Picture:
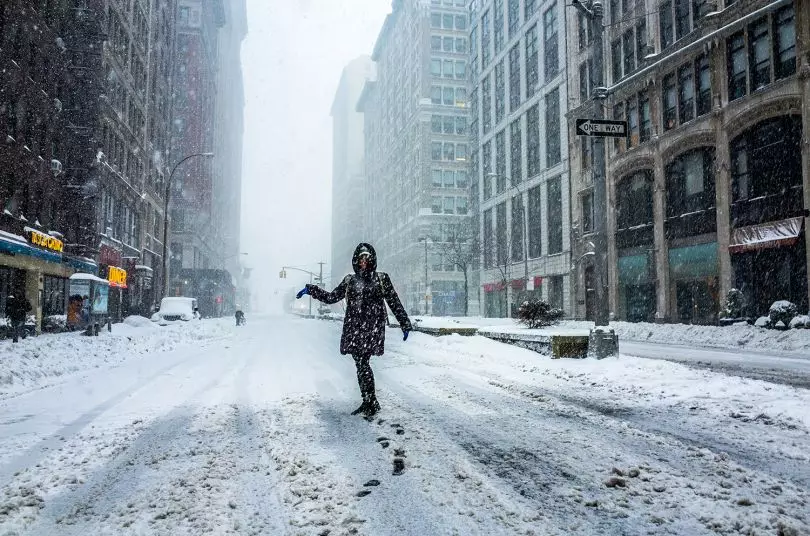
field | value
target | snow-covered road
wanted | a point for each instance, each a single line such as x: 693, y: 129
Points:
x: 250, y: 433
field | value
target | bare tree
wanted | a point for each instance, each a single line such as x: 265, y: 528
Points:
x: 461, y: 249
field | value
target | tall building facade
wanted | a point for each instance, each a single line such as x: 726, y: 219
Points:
x: 207, y: 118
x: 711, y: 189
x: 417, y: 150
x: 520, y: 157
x: 89, y: 194
x: 348, y: 166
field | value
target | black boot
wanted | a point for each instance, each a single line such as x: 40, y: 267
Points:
x: 361, y: 409
x: 372, y: 406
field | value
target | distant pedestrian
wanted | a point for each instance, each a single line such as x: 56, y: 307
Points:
x: 17, y: 308
x: 240, y: 317
x: 366, y: 292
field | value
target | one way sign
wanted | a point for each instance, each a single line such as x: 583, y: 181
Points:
x: 602, y: 127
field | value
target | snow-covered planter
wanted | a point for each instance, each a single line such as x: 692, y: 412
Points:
x: 782, y: 311
x: 732, y: 312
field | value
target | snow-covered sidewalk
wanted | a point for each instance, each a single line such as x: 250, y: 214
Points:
x: 252, y: 435
x: 36, y: 362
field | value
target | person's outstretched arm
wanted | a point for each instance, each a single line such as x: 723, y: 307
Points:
x: 328, y: 297
x: 393, y: 302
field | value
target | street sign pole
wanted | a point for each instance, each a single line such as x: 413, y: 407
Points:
x: 603, y: 342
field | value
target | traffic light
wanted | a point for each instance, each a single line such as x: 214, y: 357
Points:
x: 282, y: 274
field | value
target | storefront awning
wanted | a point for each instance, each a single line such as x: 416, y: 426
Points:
x: 766, y: 235
x: 15, y: 245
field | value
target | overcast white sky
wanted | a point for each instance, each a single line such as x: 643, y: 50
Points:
x: 292, y: 60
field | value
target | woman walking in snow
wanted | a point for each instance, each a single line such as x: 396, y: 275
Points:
x: 366, y: 292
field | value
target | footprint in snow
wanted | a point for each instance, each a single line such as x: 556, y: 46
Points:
x: 399, y: 466
x: 363, y: 493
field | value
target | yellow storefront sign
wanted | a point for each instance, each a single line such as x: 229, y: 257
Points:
x: 117, y: 277
x: 46, y: 241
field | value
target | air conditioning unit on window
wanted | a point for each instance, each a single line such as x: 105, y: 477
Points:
x: 56, y: 167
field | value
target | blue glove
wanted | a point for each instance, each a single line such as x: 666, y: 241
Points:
x: 304, y: 290
x: 405, y: 333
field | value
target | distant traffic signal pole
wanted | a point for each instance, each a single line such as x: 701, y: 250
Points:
x: 318, y: 277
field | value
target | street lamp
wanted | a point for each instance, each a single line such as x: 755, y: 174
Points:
x: 425, y: 239
x: 516, y: 187
x: 166, y: 197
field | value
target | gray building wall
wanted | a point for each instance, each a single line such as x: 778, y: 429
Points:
x: 348, y: 167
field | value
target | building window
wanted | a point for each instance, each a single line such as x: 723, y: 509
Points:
x: 498, y: 20
x: 532, y: 68
x: 616, y: 59
x: 587, y: 213
x: 436, y: 178
x: 683, y: 20
x: 531, y: 8
x: 666, y: 25
x: 555, y: 291
x: 435, y: 43
x: 634, y: 200
x: 461, y: 22
x: 500, y: 92
x: 553, y: 145
x: 500, y: 162
x: 517, y: 228
x: 555, y: 221
x: 618, y: 115
x: 700, y: 8
x: 487, y: 238
x: 583, y: 30
x: 533, y: 141
x: 435, y: 67
x: 436, y: 151
x: 514, y: 78
x: 737, y: 68
x: 461, y: 206
x: 500, y: 234
x: 516, y: 152
x: 704, y: 85
x: 641, y: 40
x: 435, y: 94
x: 784, y: 42
x: 670, y: 103
x: 436, y: 204
x: 551, y: 52
x: 628, y: 43
x: 686, y: 93
x: 645, y: 118
x: 632, y: 122
x: 760, y: 52
x: 487, y: 164
x: 514, y: 17
x: 690, y: 182
x: 535, y: 222
x: 614, y: 11
x: 485, y: 40
x: 461, y: 126
x: 584, y: 82
x: 486, y: 103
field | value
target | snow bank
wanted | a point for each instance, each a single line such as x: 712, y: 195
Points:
x: 36, y: 362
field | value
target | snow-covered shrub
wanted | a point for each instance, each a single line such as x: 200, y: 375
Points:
x: 537, y: 313
x: 782, y: 311
x: 54, y: 324
x: 801, y: 321
x: 734, y: 304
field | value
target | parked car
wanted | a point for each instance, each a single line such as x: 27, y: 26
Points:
x: 176, y: 310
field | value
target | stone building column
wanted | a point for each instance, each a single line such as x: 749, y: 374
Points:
x: 662, y: 293
x: 723, y: 202
x: 610, y: 239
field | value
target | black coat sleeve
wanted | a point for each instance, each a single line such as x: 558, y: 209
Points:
x: 328, y: 297
x: 393, y: 302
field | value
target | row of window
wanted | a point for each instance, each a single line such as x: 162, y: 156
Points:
x: 448, y: 124
x: 449, y: 204
x: 446, y: 21
x: 448, y: 151
x: 448, y: 68
x: 501, y: 247
x: 448, y: 178
x: 448, y: 95
x: 457, y: 45
x: 551, y: 59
